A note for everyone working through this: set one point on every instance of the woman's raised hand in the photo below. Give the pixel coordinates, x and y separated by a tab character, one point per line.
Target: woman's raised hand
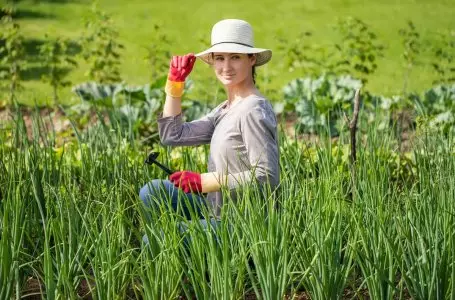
180	67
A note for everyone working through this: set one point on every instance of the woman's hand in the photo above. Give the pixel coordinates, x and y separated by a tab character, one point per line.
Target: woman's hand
189	182
180	67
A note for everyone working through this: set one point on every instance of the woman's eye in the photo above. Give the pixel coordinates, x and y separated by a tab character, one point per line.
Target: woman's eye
219	58
235	57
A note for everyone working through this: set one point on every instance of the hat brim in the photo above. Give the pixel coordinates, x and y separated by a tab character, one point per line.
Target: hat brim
262	55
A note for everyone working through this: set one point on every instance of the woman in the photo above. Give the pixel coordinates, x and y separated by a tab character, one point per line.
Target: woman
242	131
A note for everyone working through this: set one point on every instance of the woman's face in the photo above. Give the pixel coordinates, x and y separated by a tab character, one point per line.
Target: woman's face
233	68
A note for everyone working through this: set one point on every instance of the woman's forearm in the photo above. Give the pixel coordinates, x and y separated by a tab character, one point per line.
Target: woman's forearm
172	106
211	182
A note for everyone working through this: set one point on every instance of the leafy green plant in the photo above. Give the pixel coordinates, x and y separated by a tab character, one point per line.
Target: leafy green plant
194	109
436	109
101	50
158	55
358	49
320	102
444	54
55	58
264	79
426	230
306	56
295	53
115	94
132	108
135	108
400	107
12	55
411	43
355	54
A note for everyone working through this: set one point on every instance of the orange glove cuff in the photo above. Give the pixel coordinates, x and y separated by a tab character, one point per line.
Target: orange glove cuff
174	88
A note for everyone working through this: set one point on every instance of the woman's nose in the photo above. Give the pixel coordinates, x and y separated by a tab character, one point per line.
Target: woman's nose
227	64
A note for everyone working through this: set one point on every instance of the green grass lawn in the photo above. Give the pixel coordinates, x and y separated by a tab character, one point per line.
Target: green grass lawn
186	22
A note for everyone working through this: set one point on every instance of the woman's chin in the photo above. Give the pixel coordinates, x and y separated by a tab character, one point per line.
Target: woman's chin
228	81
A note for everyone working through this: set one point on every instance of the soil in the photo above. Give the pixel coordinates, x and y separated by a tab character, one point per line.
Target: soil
33	290
53	120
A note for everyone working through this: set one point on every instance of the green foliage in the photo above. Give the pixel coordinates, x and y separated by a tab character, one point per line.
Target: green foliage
318	102
158	55
12	56
116	94
55	57
194	109
135	108
101	49
131	107
436	109
70	215
356	53
265	76
302	54
312	59
393	110
444	54
358	50
411	44
140	17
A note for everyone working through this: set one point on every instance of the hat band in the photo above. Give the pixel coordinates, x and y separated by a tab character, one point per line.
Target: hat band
232	43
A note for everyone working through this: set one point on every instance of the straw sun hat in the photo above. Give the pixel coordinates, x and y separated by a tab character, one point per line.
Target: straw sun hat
234	36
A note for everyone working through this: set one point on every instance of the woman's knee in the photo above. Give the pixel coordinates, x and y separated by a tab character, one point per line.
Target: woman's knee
153	189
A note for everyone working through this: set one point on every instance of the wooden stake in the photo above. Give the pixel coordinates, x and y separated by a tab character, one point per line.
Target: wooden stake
353	129
353	126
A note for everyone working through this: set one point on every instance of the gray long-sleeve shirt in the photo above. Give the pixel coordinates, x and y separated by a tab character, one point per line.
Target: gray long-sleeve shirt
243	142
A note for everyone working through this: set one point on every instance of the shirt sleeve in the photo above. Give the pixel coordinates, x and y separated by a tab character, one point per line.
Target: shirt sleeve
259	133
174	132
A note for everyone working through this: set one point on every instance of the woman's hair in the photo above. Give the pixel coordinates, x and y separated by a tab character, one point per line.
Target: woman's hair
253	70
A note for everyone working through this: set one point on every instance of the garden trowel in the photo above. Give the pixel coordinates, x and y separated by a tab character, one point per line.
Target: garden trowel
151	159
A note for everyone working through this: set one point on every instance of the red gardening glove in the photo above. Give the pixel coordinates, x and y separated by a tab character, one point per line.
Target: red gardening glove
180	67
189	182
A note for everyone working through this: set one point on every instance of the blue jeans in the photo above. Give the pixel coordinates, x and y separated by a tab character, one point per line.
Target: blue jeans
158	191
